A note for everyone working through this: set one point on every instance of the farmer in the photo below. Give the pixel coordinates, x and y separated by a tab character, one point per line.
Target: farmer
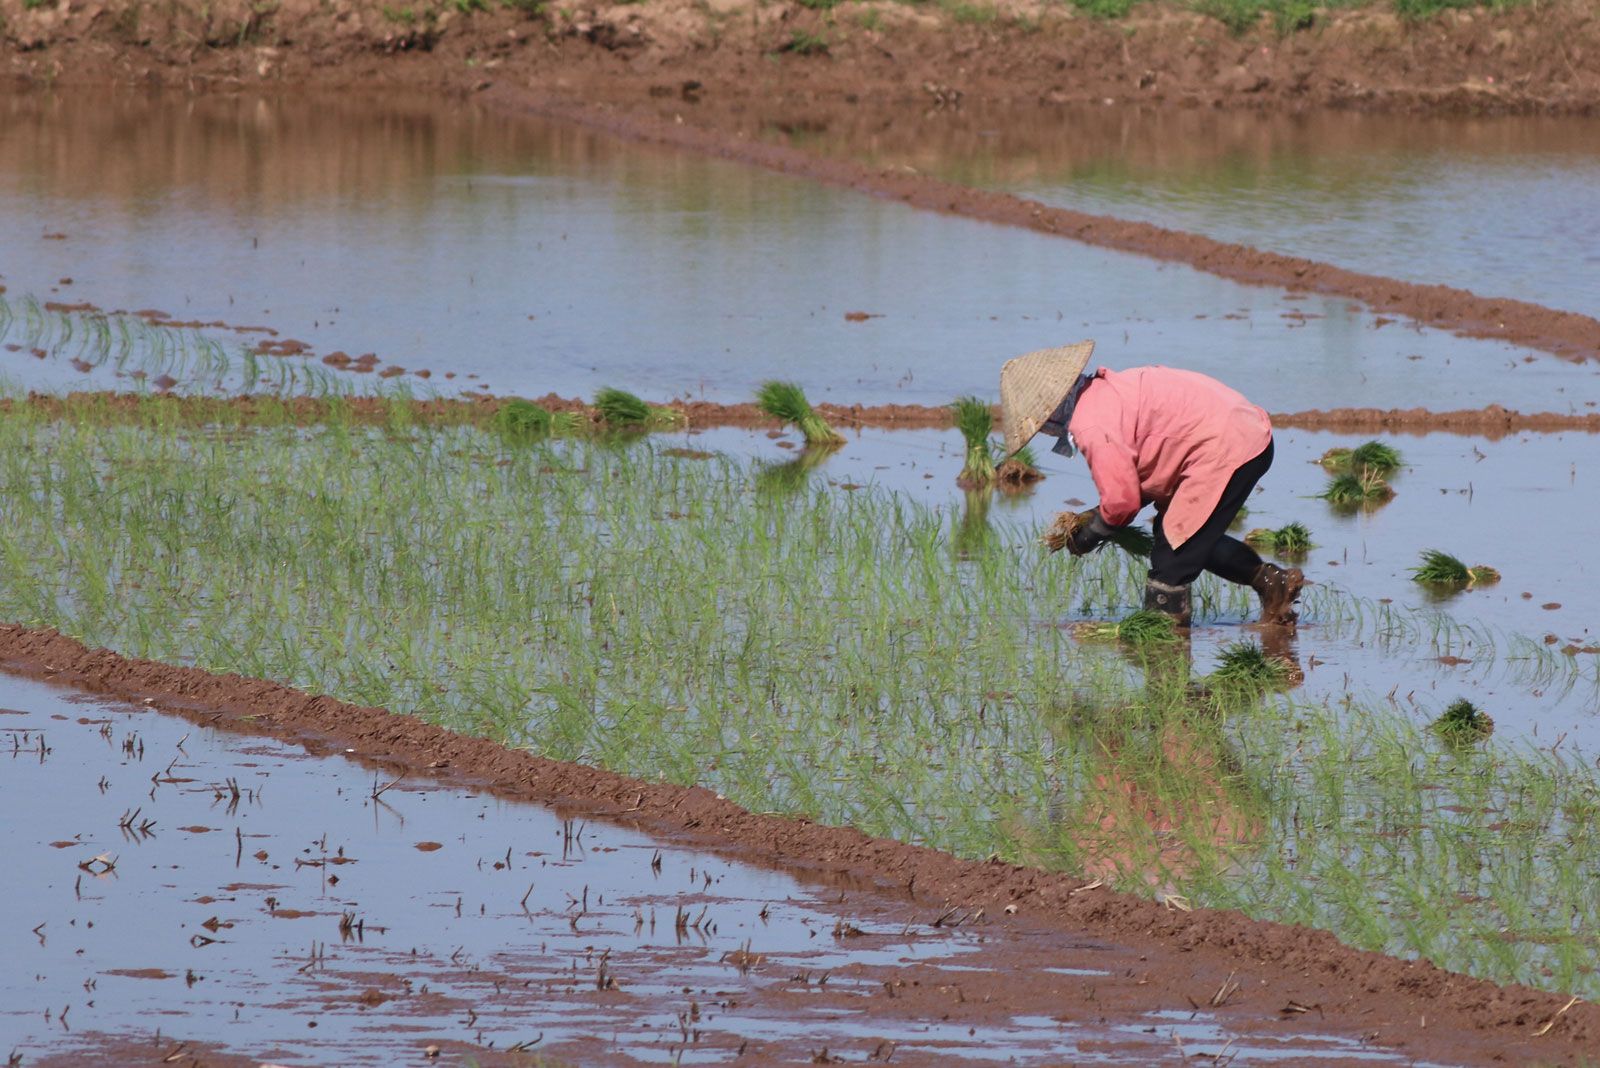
1155	435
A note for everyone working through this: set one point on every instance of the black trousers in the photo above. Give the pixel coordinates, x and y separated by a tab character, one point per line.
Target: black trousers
1210	548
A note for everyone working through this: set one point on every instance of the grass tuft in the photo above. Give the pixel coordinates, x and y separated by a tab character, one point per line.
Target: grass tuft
1463	721
1020	471
786	402
975	419
1375	456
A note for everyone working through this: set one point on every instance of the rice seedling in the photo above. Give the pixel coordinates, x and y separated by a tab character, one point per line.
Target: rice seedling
786	402
1439	568
1352	491
1247	664
1135	541
975	419
1463	721
620	410
641	616
1019	471
1292	539
521	419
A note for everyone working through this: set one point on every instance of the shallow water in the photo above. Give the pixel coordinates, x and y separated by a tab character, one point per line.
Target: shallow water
523	257
1512	504
1502	206
304	921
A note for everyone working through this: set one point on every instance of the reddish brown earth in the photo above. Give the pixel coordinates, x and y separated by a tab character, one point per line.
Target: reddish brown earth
1492	421
1400	1004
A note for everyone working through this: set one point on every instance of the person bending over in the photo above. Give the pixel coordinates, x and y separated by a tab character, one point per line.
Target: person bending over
1176	439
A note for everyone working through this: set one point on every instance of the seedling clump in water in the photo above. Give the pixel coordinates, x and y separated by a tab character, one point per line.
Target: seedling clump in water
1249	664
1143	627
1292	539
524	419
621	410
1372	457
1439	568
1463	721
1351	490
786	402
975	420
1019	471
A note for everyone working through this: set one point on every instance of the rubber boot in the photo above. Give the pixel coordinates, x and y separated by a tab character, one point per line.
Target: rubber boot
1172	601
1278	589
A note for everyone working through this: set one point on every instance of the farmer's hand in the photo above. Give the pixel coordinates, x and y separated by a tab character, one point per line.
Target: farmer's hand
1088	536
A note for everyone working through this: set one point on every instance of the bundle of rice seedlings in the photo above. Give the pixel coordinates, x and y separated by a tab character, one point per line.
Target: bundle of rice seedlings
1130	539
1375	456
1291	539
621	410
1019	471
1351	490
524	419
1141	629
786	402
975	420
1439	568
1463	721
1246	663
1369	457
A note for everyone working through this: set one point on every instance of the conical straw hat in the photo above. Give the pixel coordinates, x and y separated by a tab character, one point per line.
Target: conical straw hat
1031	386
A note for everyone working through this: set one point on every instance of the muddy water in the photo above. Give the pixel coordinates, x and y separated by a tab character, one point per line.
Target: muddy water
521	257
1526	645
184	885
1502	206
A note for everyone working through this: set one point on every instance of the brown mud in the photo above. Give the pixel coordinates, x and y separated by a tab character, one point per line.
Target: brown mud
1282	970
1491	422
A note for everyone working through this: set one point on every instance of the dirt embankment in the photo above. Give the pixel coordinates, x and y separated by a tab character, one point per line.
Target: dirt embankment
1490	422
1431	1013
739	52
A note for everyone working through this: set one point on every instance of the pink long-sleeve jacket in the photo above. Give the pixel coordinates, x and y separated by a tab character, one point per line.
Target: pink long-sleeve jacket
1162	436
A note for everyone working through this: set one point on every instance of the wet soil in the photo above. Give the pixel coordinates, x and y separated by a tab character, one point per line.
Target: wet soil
725	55
1491	422
1184	956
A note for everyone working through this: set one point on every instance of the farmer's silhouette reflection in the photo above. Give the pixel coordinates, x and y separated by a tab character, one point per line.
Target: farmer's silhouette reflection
1157	792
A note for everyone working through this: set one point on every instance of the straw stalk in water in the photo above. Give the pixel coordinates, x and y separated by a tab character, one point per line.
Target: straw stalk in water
786	402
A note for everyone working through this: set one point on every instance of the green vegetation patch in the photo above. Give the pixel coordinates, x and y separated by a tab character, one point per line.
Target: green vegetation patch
787	403
669	619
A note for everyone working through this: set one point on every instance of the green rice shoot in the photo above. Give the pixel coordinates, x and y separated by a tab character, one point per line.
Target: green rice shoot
975	419
1375	456
786	402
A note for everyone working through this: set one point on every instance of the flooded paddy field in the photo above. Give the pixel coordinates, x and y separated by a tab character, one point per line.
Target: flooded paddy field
522	257
826	640
1502	206
198	893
